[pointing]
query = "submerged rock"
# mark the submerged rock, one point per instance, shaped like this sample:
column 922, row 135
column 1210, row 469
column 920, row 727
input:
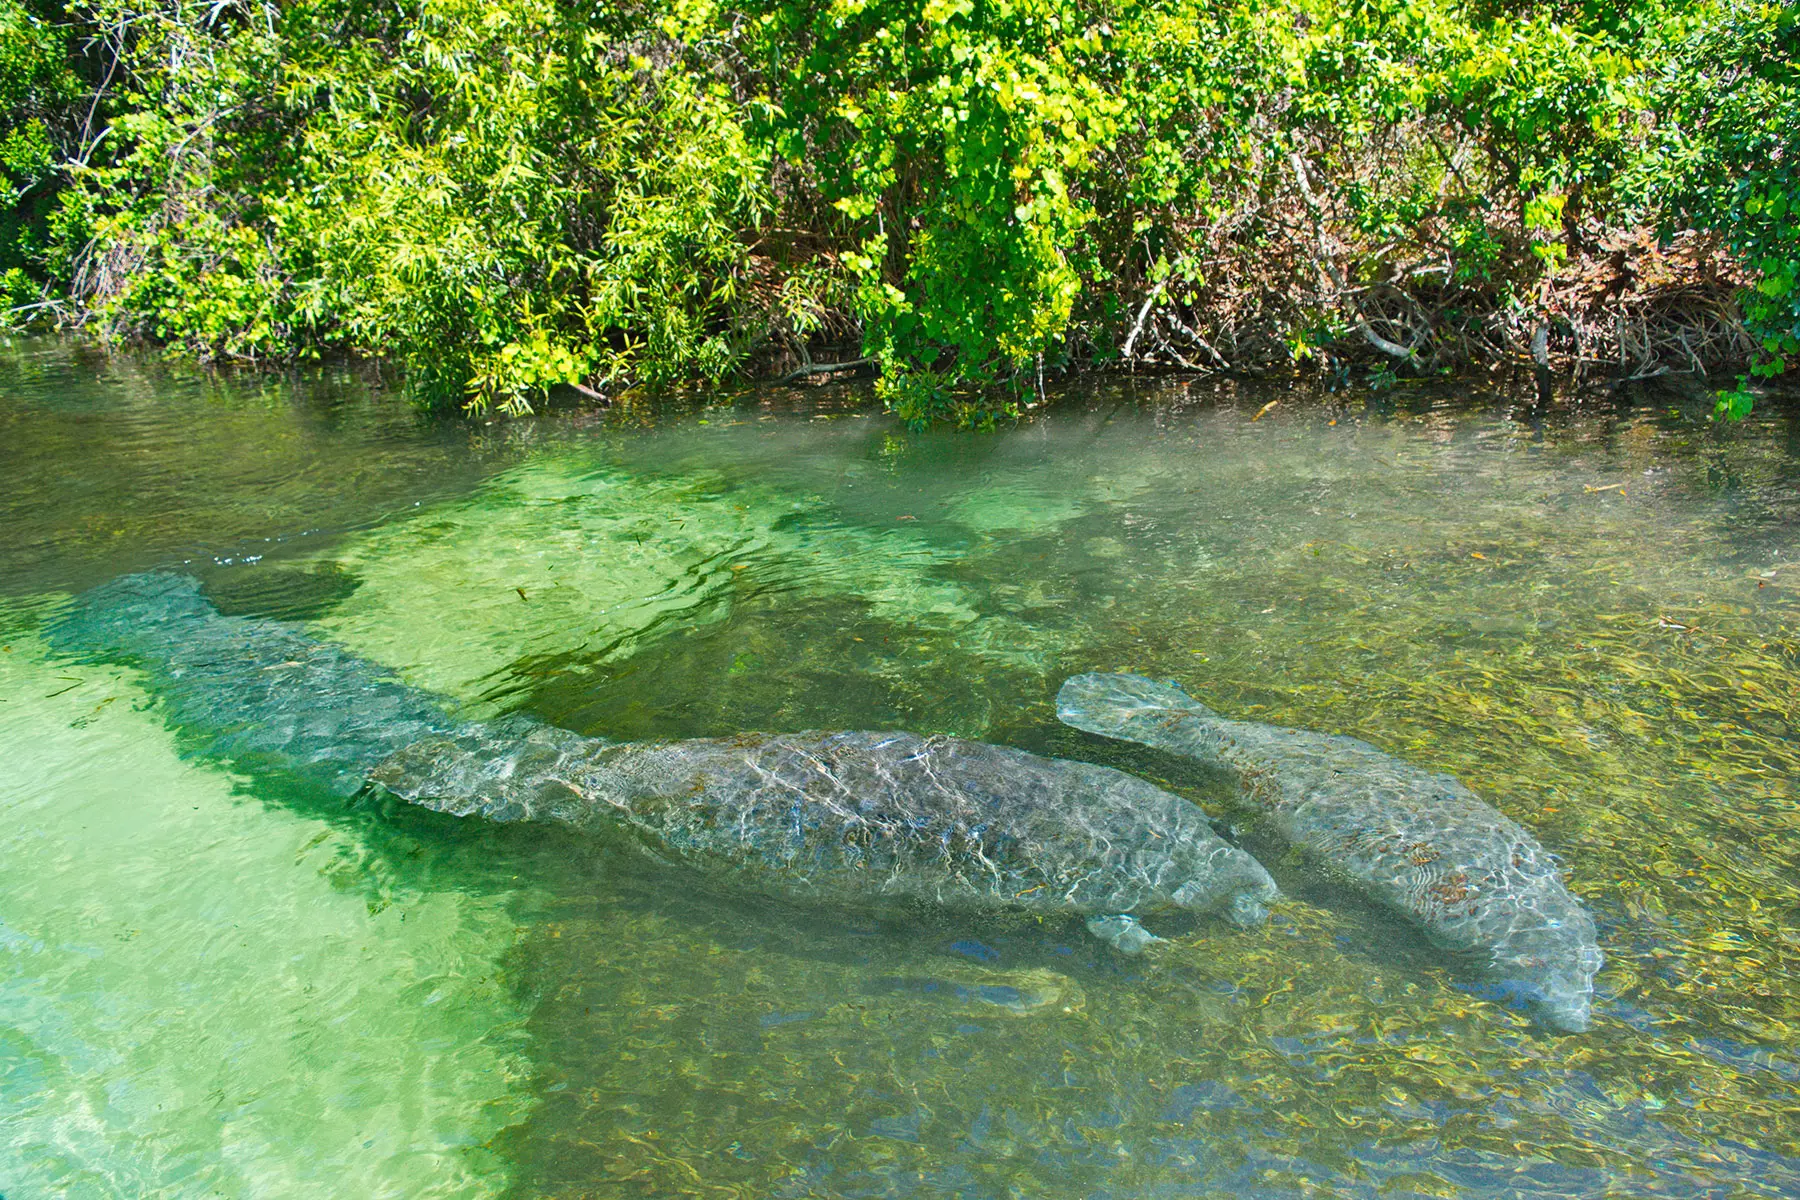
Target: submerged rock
column 854, row 818
column 1417, row 842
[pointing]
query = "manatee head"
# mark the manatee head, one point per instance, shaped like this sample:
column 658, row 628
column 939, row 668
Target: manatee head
column 1568, row 1000
column 1551, row 970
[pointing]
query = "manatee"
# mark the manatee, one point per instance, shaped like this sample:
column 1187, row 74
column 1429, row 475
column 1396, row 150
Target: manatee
column 866, row 818
column 852, row 818
column 1416, row 842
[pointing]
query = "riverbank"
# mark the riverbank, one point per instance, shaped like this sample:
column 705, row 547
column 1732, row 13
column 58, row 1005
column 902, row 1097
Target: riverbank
column 505, row 197
column 1628, row 308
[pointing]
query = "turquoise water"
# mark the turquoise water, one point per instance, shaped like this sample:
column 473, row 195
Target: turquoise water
column 214, row 983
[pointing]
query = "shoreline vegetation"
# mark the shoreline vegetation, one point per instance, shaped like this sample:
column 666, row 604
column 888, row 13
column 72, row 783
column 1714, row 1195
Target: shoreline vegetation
column 964, row 198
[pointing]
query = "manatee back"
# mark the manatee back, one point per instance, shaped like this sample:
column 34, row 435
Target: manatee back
column 942, row 818
column 1476, row 881
column 862, row 815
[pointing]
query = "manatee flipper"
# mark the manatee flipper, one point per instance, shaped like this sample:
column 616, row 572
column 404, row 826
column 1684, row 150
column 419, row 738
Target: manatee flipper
column 1123, row 706
column 1122, row 932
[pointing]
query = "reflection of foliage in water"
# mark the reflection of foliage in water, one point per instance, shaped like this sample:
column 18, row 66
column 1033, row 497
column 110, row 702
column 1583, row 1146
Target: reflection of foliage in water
column 1592, row 626
column 782, row 662
column 562, row 558
column 109, row 464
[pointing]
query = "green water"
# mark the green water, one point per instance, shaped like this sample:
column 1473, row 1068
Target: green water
column 216, row 984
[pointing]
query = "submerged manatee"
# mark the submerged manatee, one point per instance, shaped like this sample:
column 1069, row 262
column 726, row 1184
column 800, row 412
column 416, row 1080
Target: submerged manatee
column 1416, row 841
column 852, row 818
column 859, row 818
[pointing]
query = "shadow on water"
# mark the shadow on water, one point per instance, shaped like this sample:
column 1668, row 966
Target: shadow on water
column 783, row 661
column 282, row 593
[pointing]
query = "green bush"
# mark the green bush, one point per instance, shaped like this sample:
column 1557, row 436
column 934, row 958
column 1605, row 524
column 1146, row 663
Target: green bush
column 498, row 194
column 1726, row 158
column 511, row 195
column 38, row 88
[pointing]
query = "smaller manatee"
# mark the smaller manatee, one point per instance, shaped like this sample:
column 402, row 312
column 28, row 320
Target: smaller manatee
column 1417, row 842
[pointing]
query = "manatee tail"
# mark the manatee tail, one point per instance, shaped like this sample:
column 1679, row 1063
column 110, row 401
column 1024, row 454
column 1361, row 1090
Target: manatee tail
column 1130, row 707
column 257, row 693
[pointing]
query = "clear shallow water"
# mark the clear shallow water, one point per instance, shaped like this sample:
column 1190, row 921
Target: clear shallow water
column 222, row 984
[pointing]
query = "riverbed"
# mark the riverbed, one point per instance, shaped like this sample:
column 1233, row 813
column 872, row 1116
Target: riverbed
column 215, row 982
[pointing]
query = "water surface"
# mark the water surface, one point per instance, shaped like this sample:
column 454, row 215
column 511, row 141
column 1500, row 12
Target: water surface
column 225, row 984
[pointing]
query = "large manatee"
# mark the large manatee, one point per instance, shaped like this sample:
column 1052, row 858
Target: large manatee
column 858, row 817
column 852, row 818
column 1415, row 841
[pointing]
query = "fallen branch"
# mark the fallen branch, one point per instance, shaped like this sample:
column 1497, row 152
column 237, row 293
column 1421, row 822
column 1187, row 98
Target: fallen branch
column 1329, row 271
column 825, row 368
column 1391, row 349
column 1139, row 327
column 1181, row 327
column 25, row 308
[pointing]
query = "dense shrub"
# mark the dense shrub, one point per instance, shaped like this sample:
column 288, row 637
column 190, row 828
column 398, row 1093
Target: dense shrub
column 37, row 89
column 1725, row 157
column 509, row 195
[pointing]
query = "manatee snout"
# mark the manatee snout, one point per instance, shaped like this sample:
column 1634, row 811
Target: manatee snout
column 1247, row 910
column 1573, row 1014
column 1556, row 988
column 1551, row 1004
column 1568, row 1001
